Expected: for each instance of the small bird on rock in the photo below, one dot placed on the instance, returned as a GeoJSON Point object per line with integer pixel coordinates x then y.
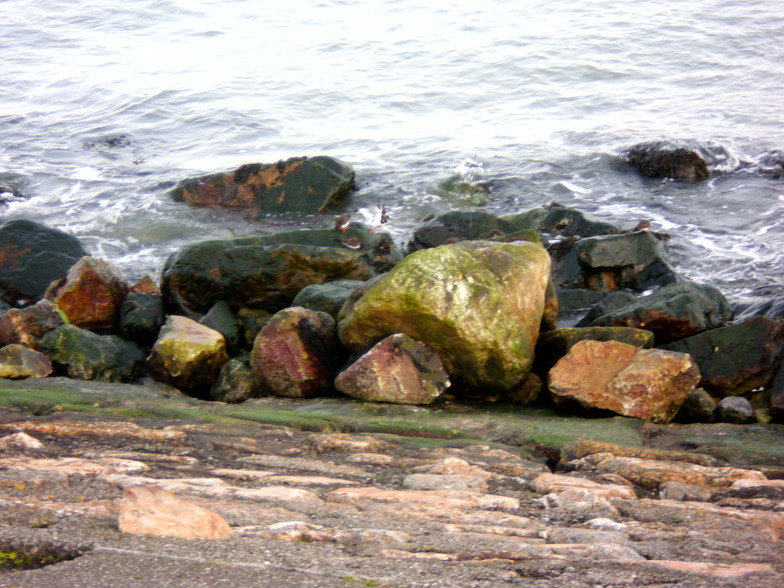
{"type": "Point", "coordinates": [341, 222]}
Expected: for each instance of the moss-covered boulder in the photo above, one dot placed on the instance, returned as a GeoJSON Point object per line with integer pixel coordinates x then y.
{"type": "Point", "coordinates": [236, 382]}
{"type": "Point", "coordinates": [85, 355]}
{"type": "Point", "coordinates": [738, 358]}
{"type": "Point", "coordinates": [297, 353]}
{"type": "Point", "coordinates": [187, 355]}
{"type": "Point", "coordinates": [32, 256]}
{"type": "Point", "coordinates": [674, 312]}
{"type": "Point", "coordinates": [300, 184]}
{"type": "Point", "coordinates": [248, 274]}
{"type": "Point", "coordinates": [478, 304]}
{"type": "Point", "coordinates": [17, 362]}
{"type": "Point", "coordinates": [92, 294]}
{"type": "Point", "coordinates": [660, 159]}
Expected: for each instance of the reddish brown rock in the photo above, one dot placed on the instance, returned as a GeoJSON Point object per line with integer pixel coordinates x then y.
{"type": "Point", "coordinates": [187, 355]}
{"type": "Point", "coordinates": [557, 483]}
{"type": "Point", "coordinates": [92, 294]}
{"type": "Point", "coordinates": [27, 326]}
{"type": "Point", "coordinates": [397, 369]}
{"type": "Point", "coordinates": [146, 286]}
{"type": "Point", "coordinates": [18, 362]}
{"type": "Point", "coordinates": [642, 383]}
{"type": "Point", "coordinates": [297, 353]}
{"type": "Point", "coordinates": [149, 510]}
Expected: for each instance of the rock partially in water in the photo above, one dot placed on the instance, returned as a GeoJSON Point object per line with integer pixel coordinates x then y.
{"type": "Point", "coordinates": [85, 355]}
{"type": "Point", "coordinates": [478, 304]}
{"type": "Point", "coordinates": [32, 256]}
{"type": "Point", "coordinates": [660, 159]}
{"type": "Point", "coordinates": [674, 312]}
{"type": "Point", "coordinates": [187, 355]}
{"type": "Point", "coordinates": [27, 326]}
{"type": "Point", "coordinates": [92, 294]}
{"type": "Point", "coordinates": [738, 358]}
{"type": "Point", "coordinates": [459, 226]}
{"type": "Point", "coordinates": [297, 354]}
{"type": "Point", "coordinates": [558, 220]}
{"type": "Point", "coordinates": [649, 384]}
{"type": "Point", "coordinates": [397, 369]}
{"type": "Point", "coordinates": [17, 362]}
{"type": "Point", "coordinates": [308, 185]}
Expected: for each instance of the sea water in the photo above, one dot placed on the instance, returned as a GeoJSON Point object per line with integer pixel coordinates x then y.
{"type": "Point", "coordinates": [105, 105]}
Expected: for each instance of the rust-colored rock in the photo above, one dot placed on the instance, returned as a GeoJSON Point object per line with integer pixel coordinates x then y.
{"type": "Point", "coordinates": [642, 383]}
{"type": "Point", "coordinates": [18, 362]}
{"type": "Point", "coordinates": [27, 326]}
{"type": "Point", "coordinates": [92, 294]}
{"type": "Point", "coordinates": [146, 286]}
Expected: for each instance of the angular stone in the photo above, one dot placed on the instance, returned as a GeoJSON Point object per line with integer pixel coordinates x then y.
{"type": "Point", "coordinates": [329, 297]}
{"type": "Point", "coordinates": [220, 318]}
{"type": "Point", "coordinates": [300, 184]}
{"type": "Point", "coordinates": [17, 362]}
{"type": "Point", "coordinates": [85, 355]}
{"type": "Point", "coordinates": [32, 256]}
{"type": "Point", "coordinates": [397, 369]}
{"type": "Point", "coordinates": [20, 441]}
{"type": "Point", "coordinates": [92, 294]}
{"type": "Point", "coordinates": [145, 286]}
{"type": "Point", "coordinates": [641, 383]}
{"type": "Point", "coordinates": [673, 312]}
{"type": "Point", "coordinates": [141, 318]}
{"type": "Point", "coordinates": [27, 326]}
{"type": "Point", "coordinates": [444, 482]}
{"type": "Point", "coordinates": [557, 483]}
{"type": "Point", "coordinates": [478, 304]}
{"type": "Point", "coordinates": [147, 510]}
{"type": "Point", "coordinates": [236, 382]}
{"type": "Point", "coordinates": [738, 358]}
{"type": "Point", "coordinates": [297, 353]}
{"type": "Point", "coordinates": [659, 159]}
{"type": "Point", "coordinates": [187, 355]}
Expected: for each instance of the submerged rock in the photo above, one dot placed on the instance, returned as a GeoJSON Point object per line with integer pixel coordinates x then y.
{"type": "Point", "coordinates": [397, 369]}
{"type": "Point", "coordinates": [300, 184]}
{"type": "Point", "coordinates": [297, 353]}
{"type": "Point", "coordinates": [32, 256]}
{"type": "Point", "coordinates": [649, 384]}
{"type": "Point", "coordinates": [478, 304]}
{"type": "Point", "coordinates": [659, 159]}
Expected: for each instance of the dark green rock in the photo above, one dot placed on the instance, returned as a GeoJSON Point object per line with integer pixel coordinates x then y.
{"type": "Point", "coordinates": [328, 297]}
{"type": "Point", "coordinates": [308, 185]}
{"type": "Point", "coordinates": [141, 318]}
{"type": "Point", "coordinates": [699, 407]}
{"type": "Point", "coordinates": [220, 318]}
{"type": "Point", "coordinates": [556, 219]}
{"type": "Point", "coordinates": [459, 226]}
{"type": "Point", "coordinates": [235, 382]}
{"type": "Point", "coordinates": [85, 355]}
{"type": "Point", "coordinates": [674, 312]}
{"type": "Point", "coordinates": [608, 302]}
{"type": "Point", "coordinates": [32, 256]}
{"type": "Point", "coordinates": [660, 159]}
{"type": "Point", "coordinates": [553, 345]}
{"type": "Point", "coordinates": [738, 358]}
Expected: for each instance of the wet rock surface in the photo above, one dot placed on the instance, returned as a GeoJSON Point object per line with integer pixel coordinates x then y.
{"type": "Point", "coordinates": [461, 501]}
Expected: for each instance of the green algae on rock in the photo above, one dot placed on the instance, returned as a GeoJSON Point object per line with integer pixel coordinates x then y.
{"type": "Point", "coordinates": [479, 304]}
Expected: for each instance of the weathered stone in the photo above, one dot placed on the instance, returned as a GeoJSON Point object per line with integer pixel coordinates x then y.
{"type": "Point", "coordinates": [251, 321]}
{"type": "Point", "coordinates": [478, 304]}
{"type": "Point", "coordinates": [444, 482]}
{"type": "Point", "coordinates": [85, 355]}
{"type": "Point", "coordinates": [659, 159]}
{"type": "Point", "coordinates": [441, 498]}
{"type": "Point", "coordinates": [776, 395]}
{"type": "Point", "coordinates": [673, 312]}
{"type": "Point", "coordinates": [32, 256]}
{"type": "Point", "coordinates": [92, 294]}
{"type": "Point", "coordinates": [351, 443]}
{"type": "Point", "coordinates": [141, 318]}
{"type": "Point", "coordinates": [246, 274]}
{"type": "Point", "coordinates": [221, 319]}
{"type": "Point", "coordinates": [300, 184]}
{"type": "Point", "coordinates": [397, 369]}
{"type": "Point", "coordinates": [18, 362]}
{"type": "Point", "coordinates": [297, 353]}
{"type": "Point", "coordinates": [738, 358]}
{"type": "Point", "coordinates": [458, 226]}
{"type": "Point", "coordinates": [27, 326]}
{"type": "Point", "coordinates": [147, 510]}
{"type": "Point", "coordinates": [579, 449]}
{"type": "Point", "coordinates": [235, 382]}
{"type": "Point", "coordinates": [528, 391]}
{"type": "Point", "coordinates": [553, 345]}
{"type": "Point", "coordinates": [20, 441]}
{"type": "Point", "coordinates": [328, 297]}
{"type": "Point", "coordinates": [145, 286]}
{"type": "Point", "coordinates": [187, 355]}
{"type": "Point", "coordinates": [99, 431]}
{"type": "Point", "coordinates": [699, 407]}
{"type": "Point", "coordinates": [680, 491]}
{"type": "Point", "coordinates": [556, 219]}
{"type": "Point", "coordinates": [641, 383]}
{"type": "Point", "coordinates": [557, 483]}
{"type": "Point", "coordinates": [736, 409]}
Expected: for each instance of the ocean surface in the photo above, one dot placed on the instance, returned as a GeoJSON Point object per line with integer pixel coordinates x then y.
{"type": "Point", "coordinates": [105, 105]}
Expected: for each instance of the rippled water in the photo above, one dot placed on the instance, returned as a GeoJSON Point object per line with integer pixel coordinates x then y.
{"type": "Point", "coordinates": [104, 105]}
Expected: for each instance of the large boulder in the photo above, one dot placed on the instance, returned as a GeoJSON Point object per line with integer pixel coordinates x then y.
{"type": "Point", "coordinates": [28, 325]}
{"type": "Point", "coordinates": [673, 312]}
{"type": "Point", "coordinates": [247, 274]}
{"type": "Point", "coordinates": [84, 355]}
{"type": "Point", "coordinates": [297, 353]}
{"type": "Point", "coordinates": [397, 369]}
{"type": "Point", "coordinates": [92, 294]}
{"type": "Point", "coordinates": [17, 362]}
{"type": "Point", "coordinates": [736, 359]}
{"type": "Point", "coordinates": [648, 384]}
{"type": "Point", "coordinates": [307, 185]}
{"type": "Point", "coordinates": [659, 159]}
{"type": "Point", "coordinates": [32, 256]}
{"type": "Point", "coordinates": [479, 304]}
{"type": "Point", "coordinates": [187, 355]}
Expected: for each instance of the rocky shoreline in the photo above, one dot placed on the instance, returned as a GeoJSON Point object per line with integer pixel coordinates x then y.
{"type": "Point", "coordinates": [490, 406]}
